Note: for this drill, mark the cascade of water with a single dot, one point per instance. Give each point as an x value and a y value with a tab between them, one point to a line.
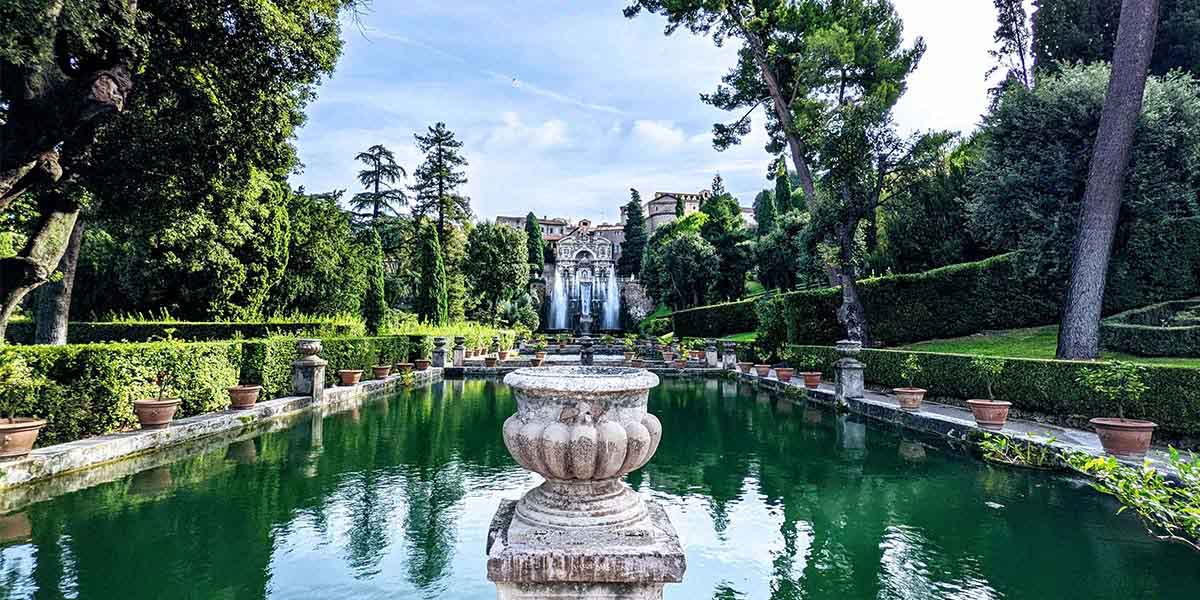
612	302
558	303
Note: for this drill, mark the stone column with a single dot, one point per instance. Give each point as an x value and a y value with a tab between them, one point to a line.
583	533
439	352
729	357
848	372
308	372
710	353
585	351
460	350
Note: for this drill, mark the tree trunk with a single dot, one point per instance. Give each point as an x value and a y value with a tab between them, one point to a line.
1079	336
23	273
54	298
852	314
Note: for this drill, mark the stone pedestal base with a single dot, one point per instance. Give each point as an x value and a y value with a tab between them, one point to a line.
529	562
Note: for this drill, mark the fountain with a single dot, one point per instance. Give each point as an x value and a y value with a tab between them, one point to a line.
612	302
582	533
558	303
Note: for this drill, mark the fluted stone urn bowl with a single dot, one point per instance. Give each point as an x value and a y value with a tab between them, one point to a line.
582	428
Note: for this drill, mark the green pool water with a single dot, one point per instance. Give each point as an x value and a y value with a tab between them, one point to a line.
771	500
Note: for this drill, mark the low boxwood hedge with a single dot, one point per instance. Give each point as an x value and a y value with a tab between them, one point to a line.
89	389
1049	387
21	332
1149	331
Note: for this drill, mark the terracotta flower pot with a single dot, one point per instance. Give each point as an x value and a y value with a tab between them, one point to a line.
404	367
155	414
668	356
350	376
784	374
697	354
242	397
421	364
535	362
680	363
489	362
503	354
628	356
990	414
637	363
762	370
1126	438
745	367
910	398
381	371
812	379
18	435
539	355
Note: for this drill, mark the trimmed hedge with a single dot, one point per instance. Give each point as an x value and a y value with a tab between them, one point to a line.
1142	331
1048	387
90	388
21	332
717	320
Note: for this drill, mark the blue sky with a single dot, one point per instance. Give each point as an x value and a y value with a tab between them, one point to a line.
563	105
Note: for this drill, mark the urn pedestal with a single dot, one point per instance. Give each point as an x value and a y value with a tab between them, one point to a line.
583	533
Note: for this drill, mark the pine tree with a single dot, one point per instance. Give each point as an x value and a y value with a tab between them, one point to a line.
764	212
439	179
374	307
535	244
634	245
431	303
379	176
783	191
718	186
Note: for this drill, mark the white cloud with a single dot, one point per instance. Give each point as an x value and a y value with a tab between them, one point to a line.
663	135
514	132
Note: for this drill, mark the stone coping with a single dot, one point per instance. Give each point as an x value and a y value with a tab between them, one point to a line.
71	466
596	379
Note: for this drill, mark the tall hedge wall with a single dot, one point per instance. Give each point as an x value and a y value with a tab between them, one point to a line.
89	389
1147	332
717	320
1049	387
21	332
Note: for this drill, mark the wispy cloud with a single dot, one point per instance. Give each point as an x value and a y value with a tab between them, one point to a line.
549	94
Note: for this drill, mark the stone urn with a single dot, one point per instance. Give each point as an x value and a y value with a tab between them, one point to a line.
583	533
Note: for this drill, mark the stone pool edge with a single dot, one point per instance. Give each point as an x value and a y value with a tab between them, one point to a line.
73	465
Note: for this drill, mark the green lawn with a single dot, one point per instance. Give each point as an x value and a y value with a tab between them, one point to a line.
1036	342
741	337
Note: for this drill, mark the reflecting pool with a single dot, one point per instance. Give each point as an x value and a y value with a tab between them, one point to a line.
771	500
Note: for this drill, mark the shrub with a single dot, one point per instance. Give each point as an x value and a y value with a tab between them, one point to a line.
1049	387
21	332
717	320
1156	330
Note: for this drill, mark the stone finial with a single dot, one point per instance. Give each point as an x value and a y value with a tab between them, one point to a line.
438	358
460	351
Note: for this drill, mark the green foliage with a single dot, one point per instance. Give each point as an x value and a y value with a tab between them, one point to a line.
375	306
1048	387
784	201
1116	383
535	244
910	369
656	327
1029	182
438	179
716	320
726	231
684	267
327	271
495	266
1168	507
680	208
633	247
520	311
21	332
764	212
431	302
989	369
19	385
1155	330
1015	452
379	179
784	253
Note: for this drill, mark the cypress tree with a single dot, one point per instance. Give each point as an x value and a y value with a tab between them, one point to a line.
431	305
536	246
765	212
374	307
783	191
680	209
634	244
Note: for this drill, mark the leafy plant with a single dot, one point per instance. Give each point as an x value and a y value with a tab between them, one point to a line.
806	361
989	370
1116	383
18	386
1005	450
910	369
629	344
1170	510
539	344
607	339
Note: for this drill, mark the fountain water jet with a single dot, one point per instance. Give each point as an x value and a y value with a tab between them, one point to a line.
612	302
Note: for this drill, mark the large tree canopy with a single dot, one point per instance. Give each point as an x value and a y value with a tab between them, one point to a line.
495	267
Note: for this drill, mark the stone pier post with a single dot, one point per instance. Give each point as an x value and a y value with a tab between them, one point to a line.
848	372
585	351
460	350
439	352
710	353
495	344
729	357
308	372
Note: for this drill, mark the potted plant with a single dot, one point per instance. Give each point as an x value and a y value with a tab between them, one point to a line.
1116	383
381	369
562	341
243	396
421	364
629	348
404	367
762	370
812	377
745	367
680	363
989	414
539	349
18	389
910	397
489	361
350	376
158	412
783	372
